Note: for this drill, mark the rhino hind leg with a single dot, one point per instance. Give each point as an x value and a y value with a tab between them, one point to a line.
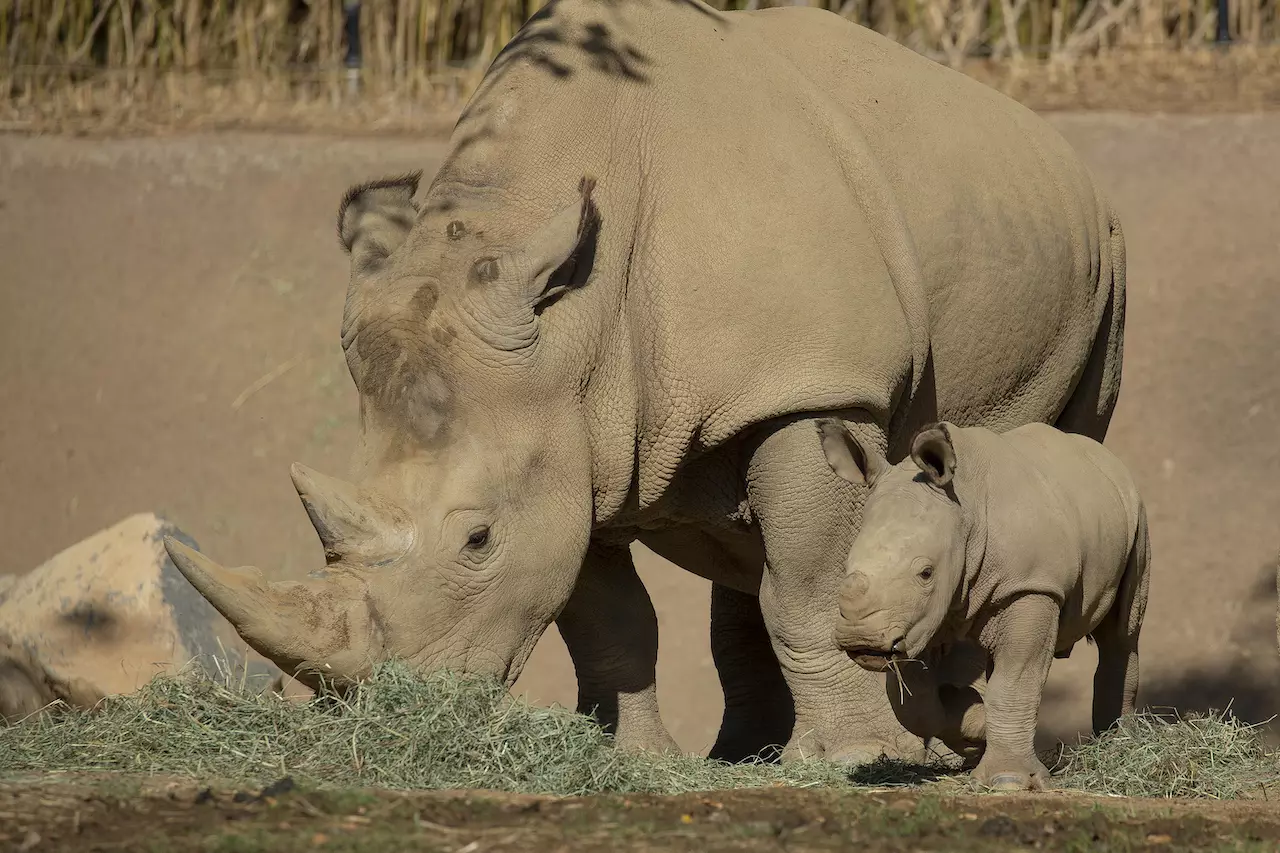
940	698
964	676
1115	681
758	711
611	631
807	518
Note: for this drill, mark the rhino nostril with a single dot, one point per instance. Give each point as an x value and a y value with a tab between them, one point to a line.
899	645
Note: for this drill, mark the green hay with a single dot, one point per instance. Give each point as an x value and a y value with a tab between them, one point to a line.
445	731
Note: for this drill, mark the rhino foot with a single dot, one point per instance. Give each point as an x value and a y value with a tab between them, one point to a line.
856	755
656	742
1009	776
851	753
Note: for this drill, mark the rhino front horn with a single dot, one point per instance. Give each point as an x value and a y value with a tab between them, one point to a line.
345	520
319	628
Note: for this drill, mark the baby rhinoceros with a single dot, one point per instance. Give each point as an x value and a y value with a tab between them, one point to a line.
1014	544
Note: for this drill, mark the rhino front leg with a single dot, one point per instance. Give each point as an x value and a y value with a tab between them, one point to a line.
808	517
611	631
1020	639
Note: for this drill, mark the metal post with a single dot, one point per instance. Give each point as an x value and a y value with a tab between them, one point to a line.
351	15
1224	22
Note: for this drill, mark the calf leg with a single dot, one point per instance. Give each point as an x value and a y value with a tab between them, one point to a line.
807	518
963	673
611	631
939	697
1115	682
1020	639
913	694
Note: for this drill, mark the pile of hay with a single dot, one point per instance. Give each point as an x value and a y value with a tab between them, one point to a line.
447	731
397	731
1210	756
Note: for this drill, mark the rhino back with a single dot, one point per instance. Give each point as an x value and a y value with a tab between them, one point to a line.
1010	233
1062	514
796	210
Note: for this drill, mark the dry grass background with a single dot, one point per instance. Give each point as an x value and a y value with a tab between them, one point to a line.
115	64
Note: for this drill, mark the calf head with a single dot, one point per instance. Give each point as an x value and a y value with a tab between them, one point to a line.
907	562
464	532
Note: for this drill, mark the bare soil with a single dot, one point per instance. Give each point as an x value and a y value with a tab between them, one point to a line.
87	813
169	313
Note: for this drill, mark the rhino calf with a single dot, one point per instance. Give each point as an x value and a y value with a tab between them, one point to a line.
1014	546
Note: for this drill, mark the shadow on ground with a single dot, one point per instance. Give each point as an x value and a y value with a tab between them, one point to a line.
1247	684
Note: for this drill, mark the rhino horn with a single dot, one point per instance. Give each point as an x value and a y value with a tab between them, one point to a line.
345	520
314	630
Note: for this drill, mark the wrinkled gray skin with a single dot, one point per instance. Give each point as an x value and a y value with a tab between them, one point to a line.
551	369
1016	545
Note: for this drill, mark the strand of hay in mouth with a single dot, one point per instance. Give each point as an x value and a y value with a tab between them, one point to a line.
1212	756
398	731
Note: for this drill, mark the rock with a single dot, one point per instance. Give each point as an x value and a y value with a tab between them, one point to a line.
104	617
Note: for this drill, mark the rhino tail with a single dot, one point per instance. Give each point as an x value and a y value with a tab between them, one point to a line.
1092	401
1115	322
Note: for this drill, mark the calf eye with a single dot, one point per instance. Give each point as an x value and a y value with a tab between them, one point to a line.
478	538
926	573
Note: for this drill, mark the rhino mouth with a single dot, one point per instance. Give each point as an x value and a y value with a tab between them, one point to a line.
875	660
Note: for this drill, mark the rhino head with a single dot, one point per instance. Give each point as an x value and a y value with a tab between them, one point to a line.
462	535
906	565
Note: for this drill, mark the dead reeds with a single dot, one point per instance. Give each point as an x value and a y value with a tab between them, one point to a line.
87	56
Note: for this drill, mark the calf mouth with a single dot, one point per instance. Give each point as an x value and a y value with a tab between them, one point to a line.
874	660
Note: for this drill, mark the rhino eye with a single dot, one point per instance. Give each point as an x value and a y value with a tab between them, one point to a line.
926	573
478	538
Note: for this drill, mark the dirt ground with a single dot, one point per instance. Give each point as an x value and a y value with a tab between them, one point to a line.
122	813
170	310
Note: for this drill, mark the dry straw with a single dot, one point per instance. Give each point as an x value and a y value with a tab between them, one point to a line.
406	39
445	731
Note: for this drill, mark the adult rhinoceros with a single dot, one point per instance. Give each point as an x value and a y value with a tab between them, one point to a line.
665	241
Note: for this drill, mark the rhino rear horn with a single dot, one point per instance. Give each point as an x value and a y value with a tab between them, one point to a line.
346	521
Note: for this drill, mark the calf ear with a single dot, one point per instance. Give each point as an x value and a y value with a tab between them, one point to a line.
557	258
375	217
847	456
933	451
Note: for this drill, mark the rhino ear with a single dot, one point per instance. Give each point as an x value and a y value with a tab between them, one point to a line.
375	217
847	456
557	258
933	451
